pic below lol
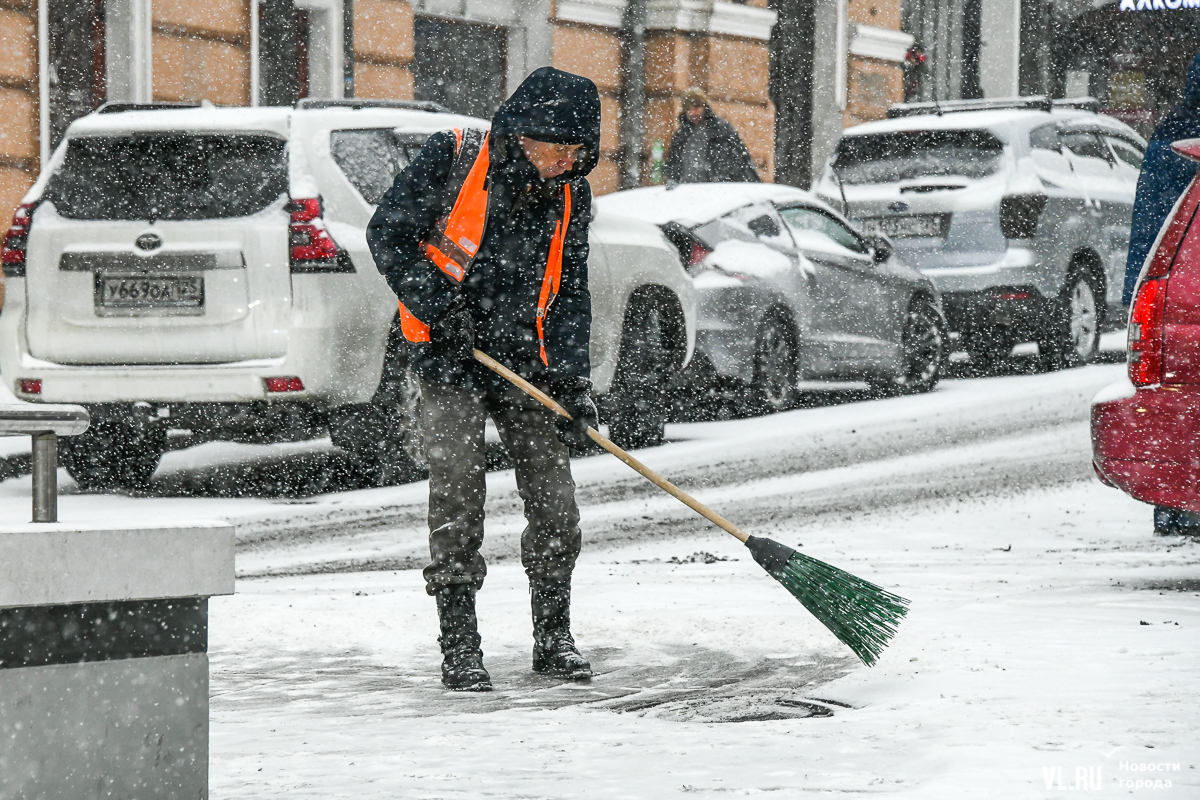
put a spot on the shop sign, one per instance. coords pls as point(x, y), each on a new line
point(1157, 5)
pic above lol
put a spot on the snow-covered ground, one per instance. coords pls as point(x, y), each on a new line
point(1051, 638)
point(1048, 633)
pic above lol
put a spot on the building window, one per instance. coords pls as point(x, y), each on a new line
point(460, 65)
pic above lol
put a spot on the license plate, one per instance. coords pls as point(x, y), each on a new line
point(182, 294)
point(924, 225)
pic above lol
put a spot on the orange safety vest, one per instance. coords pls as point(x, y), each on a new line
point(455, 239)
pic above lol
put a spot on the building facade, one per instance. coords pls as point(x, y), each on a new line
point(835, 63)
point(1130, 55)
point(61, 59)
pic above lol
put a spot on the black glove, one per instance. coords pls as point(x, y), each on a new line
point(575, 395)
point(452, 334)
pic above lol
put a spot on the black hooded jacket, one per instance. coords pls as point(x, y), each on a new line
point(504, 280)
point(709, 152)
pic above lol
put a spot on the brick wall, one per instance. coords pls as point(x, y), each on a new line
point(872, 85)
point(201, 50)
point(734, 73)
point(18, 103)
point(383, 49)
point(596, 53)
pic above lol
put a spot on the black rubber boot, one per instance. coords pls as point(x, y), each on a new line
point(462, 660)
point(554, 651)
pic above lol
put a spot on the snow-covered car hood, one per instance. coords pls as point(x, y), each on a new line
point(697, 203)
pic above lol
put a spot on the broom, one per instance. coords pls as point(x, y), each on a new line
point(859, 613)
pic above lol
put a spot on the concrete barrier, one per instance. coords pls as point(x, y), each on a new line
point(104, 658)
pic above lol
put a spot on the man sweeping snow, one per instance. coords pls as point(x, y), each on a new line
point(484, 240)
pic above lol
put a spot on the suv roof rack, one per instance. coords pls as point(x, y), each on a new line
point(120, 108)
point(1038, 103)
point(1081, 103)
point(1032, 103)
point(412, 105)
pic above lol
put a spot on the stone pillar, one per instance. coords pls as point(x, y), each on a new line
point(104, 658)
point(1000, 48)
point(383, 49)
point(201, 51)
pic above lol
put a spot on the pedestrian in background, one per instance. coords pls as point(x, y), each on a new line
point(484, 240)
point(1165, 176)
point(706, 148)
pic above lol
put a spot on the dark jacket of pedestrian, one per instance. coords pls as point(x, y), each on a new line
point(502, 286)
point(1165, 176)
point(710, 152)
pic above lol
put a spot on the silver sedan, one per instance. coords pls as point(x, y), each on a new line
point(787, 290)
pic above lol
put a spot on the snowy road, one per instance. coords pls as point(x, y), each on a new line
point(1052, 637)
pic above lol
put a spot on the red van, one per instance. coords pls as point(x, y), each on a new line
point(1146, 439)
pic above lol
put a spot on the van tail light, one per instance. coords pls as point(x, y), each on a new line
point(287, 383)
point(1146, 332)
point(29, 386)
point(697, 255)
point(1019, 215)
point(12, 254)
point(312, 248)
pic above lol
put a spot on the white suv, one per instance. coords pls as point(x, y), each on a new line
point(203, 272)
point(1018, 211)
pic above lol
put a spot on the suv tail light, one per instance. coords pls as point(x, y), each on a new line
point(1019, 215)
point(12, 254)
point(312, 248)
point(286, 383)
point(697, 255)
point(1146, 332)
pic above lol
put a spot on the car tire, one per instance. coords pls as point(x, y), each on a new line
point(924, 351)
point(776, 364)
point(383, 438)
point(1073, 337)
point(117, 452)
point(639, 399)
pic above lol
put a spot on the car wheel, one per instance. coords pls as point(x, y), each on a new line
point(116, 452)
point(1074, 335)
point(923, 351)
point(989, 349)
point(775, 365)
point(639, 397)
point(383, 437)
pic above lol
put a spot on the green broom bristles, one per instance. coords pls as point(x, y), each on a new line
point(859, 613)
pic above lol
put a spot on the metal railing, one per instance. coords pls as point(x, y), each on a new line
point(44, 424)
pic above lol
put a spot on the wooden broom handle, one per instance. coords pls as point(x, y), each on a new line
point(600, 439)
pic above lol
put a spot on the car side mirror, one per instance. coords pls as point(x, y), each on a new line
point(763, 226)
point(881, 249)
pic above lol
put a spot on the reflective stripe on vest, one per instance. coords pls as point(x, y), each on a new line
point(456, 238)
point(553, 276)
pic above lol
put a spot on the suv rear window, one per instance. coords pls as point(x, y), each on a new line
point(371, 158)
point(169, 176)
point(904, 155)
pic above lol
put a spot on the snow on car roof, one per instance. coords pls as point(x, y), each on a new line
point(995, 120)
point(273, 119)
point(698, 202)
point(203, 118)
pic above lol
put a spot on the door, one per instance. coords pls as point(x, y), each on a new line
point(1111, 205)
point(161, 248)
point(850, 308)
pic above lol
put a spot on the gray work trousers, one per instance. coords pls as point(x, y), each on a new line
point(453, 420)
